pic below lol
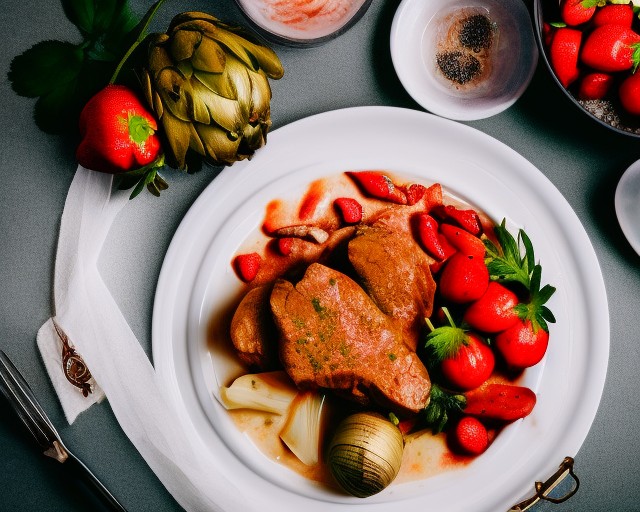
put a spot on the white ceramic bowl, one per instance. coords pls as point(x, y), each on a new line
point(415, 34)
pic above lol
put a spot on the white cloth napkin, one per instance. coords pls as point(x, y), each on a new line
point(88, 314)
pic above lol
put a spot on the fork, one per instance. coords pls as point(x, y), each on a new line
point(20, 396)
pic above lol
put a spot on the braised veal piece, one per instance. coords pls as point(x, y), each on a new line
point(333, 336)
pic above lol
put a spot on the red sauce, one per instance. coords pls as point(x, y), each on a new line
point(311, 199)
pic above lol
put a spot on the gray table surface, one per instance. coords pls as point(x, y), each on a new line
point(582, 159)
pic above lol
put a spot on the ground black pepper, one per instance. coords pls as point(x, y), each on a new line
point(458, 66)
point(476, 33)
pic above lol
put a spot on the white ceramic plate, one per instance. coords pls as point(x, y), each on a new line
point(197, 281)
point(627, 204)
point(414, 35)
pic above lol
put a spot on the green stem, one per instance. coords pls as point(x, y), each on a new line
point(141, 36)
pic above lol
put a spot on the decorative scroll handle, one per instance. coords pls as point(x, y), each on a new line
point(544, 488)
point(73, 366)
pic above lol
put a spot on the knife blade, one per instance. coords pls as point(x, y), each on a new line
point(18, 393)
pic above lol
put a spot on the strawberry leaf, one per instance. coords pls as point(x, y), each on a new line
point(442, 406)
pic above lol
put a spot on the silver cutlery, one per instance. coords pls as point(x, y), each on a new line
point(20, 396)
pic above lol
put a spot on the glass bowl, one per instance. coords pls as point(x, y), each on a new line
point(300, 23)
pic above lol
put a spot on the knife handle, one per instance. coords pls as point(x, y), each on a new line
point(77, 468)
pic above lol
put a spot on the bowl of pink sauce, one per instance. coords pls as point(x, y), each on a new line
point(303, 22)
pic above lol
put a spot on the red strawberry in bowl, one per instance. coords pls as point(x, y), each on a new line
point(577, 12)
point(611, 48)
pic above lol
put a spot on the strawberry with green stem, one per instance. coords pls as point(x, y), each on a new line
point(525, 343)
point(463, 358)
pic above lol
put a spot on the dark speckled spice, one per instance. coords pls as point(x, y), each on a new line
point(476, 33)
point(457, 66)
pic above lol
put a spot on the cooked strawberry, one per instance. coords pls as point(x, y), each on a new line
point(414, 193)
point(501, 402)
point(247, 266)
point(427, 229)
point(378, 185)
point(350, 209)
point(564, 52)
point(494, 311)
point(466, 219)
point(285, 245)
point(613, 14)
point(595, 86)
point(522, 345)
point(463, 241)
point(469, 437)
point(464, 278)
point(463, 358)
point(611, 48)
point(577, 12)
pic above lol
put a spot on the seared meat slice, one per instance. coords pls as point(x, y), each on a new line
point(333, 336)
point(253, 332)
point(395, 271)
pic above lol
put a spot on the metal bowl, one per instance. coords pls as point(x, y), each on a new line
point(608, 113)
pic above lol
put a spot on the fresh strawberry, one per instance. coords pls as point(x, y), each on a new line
point(414, 193)
point(629, 94)
point(501, 402)
point(466, 219)
point(594, 86)
point(494, 311)
point(613, 14)
point(522, 345)
point(469, 437)
point(285, 245)
point(378, 185)
point(118, 132)
point(463, 241)
point(465, 360)
point(427, 229)
point(577, 12)
point(611, 48)
point(463, 279)
point(350, 209)
point(247, 266)
point(548, 32)
point(564, 52)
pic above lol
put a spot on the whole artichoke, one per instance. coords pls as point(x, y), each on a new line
point(207, 83)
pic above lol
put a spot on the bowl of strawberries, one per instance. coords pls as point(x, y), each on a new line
point(592, 48)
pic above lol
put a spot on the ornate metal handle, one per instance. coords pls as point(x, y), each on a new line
point(544, 488)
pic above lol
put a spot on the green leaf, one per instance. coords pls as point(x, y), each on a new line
point(547, 314)
point(442, 406)
point(139, 188)
point(81, 13)
point(529, 257)
point(98, 17)
point(545, 294)
point(45, 67)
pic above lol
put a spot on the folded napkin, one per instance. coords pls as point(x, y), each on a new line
point(88, 314)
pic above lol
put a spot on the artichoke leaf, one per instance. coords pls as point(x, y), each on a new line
point(177, 133)
point(260, 96)
point(147, 90)
point(185, 17)
point(216, 82)
point(209, 56)
point(239, 76)
point(174, 91)
point(195, 143)
point(219, 147)
point(225, 112)
point(267, 58)
point(184, 44)
point(158, 60)
point(158, 107)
